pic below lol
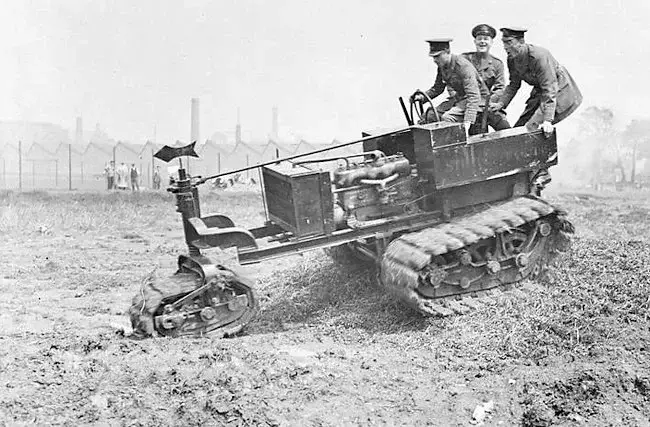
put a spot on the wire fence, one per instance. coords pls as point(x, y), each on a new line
point(71, 169)
point(38, 179)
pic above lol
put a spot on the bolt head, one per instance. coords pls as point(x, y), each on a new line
point(522, 260)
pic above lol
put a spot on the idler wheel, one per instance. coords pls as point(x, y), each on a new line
point(238, 303)
point(545, 229)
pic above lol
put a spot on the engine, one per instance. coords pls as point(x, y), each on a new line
point(376, 188)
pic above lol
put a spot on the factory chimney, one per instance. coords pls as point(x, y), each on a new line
point(238, 129)
point(194, 132)
point(79, 132)
point(274, 124)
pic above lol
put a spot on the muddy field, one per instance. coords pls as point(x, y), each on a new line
point(327, 348)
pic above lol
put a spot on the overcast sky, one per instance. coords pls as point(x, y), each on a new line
point(333, 68)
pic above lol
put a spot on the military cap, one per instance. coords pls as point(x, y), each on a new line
point(437, 46)
point(513, 31)
point(485, 30)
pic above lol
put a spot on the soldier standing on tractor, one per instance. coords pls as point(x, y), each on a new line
point(491, 70)
point(554, 96)
point(457, 73)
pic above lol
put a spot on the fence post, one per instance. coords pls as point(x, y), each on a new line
point(82, 172)
point(56, 174)
point(33, 175)
point(70, 167)
point(153, 167)
point(218, 162)
point(20, 165)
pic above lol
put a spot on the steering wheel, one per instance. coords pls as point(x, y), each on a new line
point(419, 106)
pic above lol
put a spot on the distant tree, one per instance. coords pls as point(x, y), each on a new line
point(599, 138)
point(636, 138)
point(595, 121)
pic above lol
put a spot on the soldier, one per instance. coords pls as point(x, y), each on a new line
point(133, 172)
point(554, 96)
point(491, 70)
point(156, 178)
point(457, 73)
point(110, 175)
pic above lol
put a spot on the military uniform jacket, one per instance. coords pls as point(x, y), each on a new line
point(462, 77)
point(552, 83)
point(491, 70)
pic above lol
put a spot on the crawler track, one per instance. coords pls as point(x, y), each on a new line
point(184, 304)
point(459, 265)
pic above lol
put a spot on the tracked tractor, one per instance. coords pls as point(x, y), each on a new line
point(445, 220)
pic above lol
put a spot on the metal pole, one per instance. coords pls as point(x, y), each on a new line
point(70, 167)
point(153, 166)
point(218, 162)
point(20, 165)
point(82, 172)
point(56, 173)
point(33, 175)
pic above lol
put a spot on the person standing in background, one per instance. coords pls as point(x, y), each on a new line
point(156, 178)
point(109, 170)
point(122, 176)
point(134, 178)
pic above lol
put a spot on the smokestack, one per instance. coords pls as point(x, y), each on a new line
point(274, 124)
point(238, 129)
point(194, 133)
point(79, 132)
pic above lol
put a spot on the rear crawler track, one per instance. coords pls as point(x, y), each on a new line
point(451, 267)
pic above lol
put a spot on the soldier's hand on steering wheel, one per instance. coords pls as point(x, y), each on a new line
point(547, 127)
point(417, 96)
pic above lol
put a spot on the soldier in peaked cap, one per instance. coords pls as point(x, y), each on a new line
point(491, 70)
point(457, 74)
point(554, 96)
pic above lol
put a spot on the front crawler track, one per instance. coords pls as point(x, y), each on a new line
point(189, 304)
point(450, 267)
